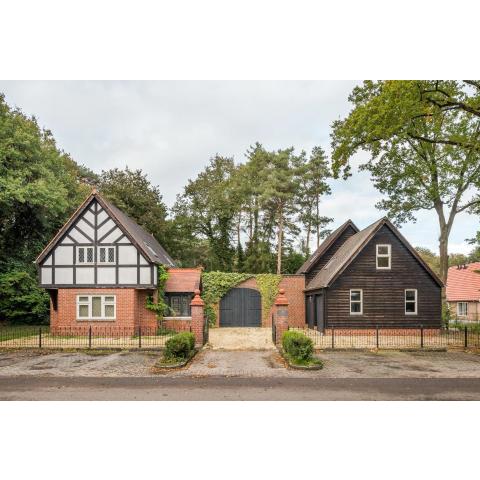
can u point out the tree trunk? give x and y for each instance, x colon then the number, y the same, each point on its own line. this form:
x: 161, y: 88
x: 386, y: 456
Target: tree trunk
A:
x: 317, y: 220
x: 307, y: 246
x: 280, y: 240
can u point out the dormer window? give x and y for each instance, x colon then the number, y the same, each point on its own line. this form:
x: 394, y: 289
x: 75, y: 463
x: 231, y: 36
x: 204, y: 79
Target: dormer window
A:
x: 384, y: 257
x: 85, y: 255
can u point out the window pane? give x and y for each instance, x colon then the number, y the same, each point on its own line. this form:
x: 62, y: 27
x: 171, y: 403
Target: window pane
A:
x: 102, y: 255
x: 110, y: 299
x: 410, y: 295
x: 83, y: 299
x: 383, y: 262
x: 109, y: 310
x: 410, y: 307
x: 81, y: 255
x: 83, y: 311
x: 355, y: 296
x: 96, y: 306
x: 184, y: 306
x: 355, y: 307
x: 89, y: 255
x: 383, y: 250
x: 111, y: 255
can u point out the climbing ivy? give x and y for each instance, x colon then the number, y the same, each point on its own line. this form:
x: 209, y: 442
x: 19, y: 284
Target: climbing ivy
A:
x: 160, y: 307
x: 268, y: 286
x: 217, y: 284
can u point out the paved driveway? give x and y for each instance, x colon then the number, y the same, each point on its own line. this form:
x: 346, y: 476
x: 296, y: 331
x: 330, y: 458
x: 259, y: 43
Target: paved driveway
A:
x: 244, y: 338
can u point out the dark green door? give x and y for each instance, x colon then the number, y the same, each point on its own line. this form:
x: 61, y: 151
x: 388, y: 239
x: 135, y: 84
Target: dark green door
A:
x: 241, y: 307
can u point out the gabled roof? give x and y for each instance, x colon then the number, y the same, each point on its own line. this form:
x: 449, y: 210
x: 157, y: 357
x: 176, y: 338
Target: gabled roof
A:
x: 183, y: 280
x: 352, y: 247
x: 325, y: 245
x: 144, y: 241
x: 463, y: 283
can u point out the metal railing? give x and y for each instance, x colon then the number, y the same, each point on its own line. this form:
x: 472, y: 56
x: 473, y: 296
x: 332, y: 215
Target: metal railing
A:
x: 389, y: 338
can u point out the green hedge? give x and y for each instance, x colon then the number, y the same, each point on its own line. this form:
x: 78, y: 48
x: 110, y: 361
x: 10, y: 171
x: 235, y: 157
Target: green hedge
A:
x: 180, y: 346
x: 297, y: 346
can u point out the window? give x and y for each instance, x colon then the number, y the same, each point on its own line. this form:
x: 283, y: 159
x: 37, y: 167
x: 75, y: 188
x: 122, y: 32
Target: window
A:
x: 106, y: 254
x: 384, y: 257
x: 356, y: 302
x: 462, y: 309
x: 179, y: 304
x: 410, y: 302
x: 85, y: 255
x: 96, y: 307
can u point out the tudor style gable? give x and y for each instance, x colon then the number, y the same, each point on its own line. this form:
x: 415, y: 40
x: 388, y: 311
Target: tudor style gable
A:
x: 101, y: 247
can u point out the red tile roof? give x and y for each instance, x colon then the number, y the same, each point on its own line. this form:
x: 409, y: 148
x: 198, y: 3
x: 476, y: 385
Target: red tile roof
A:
x: 183, y: 279
x: 464, y: 283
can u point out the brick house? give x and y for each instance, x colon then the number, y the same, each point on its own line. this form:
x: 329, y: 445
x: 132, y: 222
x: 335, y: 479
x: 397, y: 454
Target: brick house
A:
x: 100, y: 268
x: 463, y: 292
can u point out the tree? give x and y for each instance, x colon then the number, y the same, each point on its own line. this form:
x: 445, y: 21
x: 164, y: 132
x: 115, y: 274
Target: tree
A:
x: 422, y: 156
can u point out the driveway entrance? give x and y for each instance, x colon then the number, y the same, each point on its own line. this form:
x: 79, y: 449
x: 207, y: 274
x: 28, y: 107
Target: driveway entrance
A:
x: 241, y: 307
x: 242, y: 338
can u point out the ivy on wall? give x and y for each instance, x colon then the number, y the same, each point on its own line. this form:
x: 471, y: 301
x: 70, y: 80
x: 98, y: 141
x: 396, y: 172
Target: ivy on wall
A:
x: 160, y: 307
x: 217, y: 284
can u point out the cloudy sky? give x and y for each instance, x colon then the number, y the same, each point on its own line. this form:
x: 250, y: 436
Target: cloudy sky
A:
x: 171, y: 129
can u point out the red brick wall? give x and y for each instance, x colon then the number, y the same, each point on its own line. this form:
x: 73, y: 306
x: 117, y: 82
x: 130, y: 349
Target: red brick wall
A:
x: 177, y: 325
x: 294, y: 286
x: 130, y: 310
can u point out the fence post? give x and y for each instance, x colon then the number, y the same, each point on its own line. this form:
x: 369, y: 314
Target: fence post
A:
x: 466, y: 337
x: 377, y: 336
x: 139, y: 336
x: 333, y: 337
x: 40, y: 337
x: 90, y: 336
x: 421, y: 336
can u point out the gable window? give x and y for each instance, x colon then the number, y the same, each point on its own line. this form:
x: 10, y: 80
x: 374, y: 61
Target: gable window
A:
x: 462, y: 309
x: 85, y: 255
x: 384, y: 257
x: 106, y: 254
x: 356, y: 302
x: 179, y: 304
x: 96, y: 307
x: 410, y: 302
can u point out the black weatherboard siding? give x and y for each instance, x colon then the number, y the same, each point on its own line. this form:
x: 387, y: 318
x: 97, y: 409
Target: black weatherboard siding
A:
x: 384, y: 290
x: 241, y: 307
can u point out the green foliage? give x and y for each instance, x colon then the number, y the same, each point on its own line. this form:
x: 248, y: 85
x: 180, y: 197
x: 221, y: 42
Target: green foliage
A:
x: 268, y: 286
x: 160, y: 307
x: 180, y: 346
x: 215, y: 286
x: 21, y: 300
x: 297, y: 346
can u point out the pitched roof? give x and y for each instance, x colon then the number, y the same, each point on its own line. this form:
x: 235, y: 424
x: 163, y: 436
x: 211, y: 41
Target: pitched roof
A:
x: 325, y: 245
x: 183, y: 279
x: 352, y: 247
x: 144, y: 241
x: 464, y: 283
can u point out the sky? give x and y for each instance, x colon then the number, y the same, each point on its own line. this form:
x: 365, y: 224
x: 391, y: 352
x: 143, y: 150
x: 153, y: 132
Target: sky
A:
x: 170, y: 130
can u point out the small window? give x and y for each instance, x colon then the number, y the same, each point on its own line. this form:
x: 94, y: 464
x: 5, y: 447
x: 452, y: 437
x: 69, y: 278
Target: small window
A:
x: 410, y: 302
x: 384, y: 257
x: 356, y: 302
x: 106, y: 254
x: 462, y: 309
x: 85, y: 255
x: 96, y: 307
x: 179, y: 304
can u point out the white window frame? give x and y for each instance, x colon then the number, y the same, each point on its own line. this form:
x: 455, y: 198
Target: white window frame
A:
x: 466, y: 309
x: 384, y: 255
x: 106, y: 255
x: 103, y: 302
x: 411, y: 301
x: 356, y: 301
x: 85, y: 255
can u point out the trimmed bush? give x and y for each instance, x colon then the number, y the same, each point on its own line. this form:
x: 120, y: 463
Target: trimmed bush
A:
x: 297, y: 346
x: 180, y: 346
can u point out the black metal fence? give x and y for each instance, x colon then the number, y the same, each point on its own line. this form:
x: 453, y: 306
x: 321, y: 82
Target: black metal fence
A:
x: 206, y: 330
x: 84, y: 337
x: 274, y: 331
x: 388, y: 338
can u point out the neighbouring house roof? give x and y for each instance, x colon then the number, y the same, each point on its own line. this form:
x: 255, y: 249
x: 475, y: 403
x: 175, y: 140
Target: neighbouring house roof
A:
x: 463, y: 284
x: 325, y: 245
x: 352, y: 247
x: 145, y: 242
x: 183, y: 280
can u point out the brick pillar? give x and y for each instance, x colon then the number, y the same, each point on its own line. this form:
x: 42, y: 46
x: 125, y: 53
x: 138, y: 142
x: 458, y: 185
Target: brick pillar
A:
x: 197, y: 318
x: 281, y: 315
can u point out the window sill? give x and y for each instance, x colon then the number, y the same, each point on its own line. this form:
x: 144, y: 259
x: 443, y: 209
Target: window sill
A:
x: 177, y: 318
x: 96, y: 319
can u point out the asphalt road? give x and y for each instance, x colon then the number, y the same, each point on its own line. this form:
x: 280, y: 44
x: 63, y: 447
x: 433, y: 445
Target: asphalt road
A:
x: 224, y: 388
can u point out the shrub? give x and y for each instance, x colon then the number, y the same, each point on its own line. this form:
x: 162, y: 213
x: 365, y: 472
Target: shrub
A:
x: 297, y: 346
x: 180, y: 346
